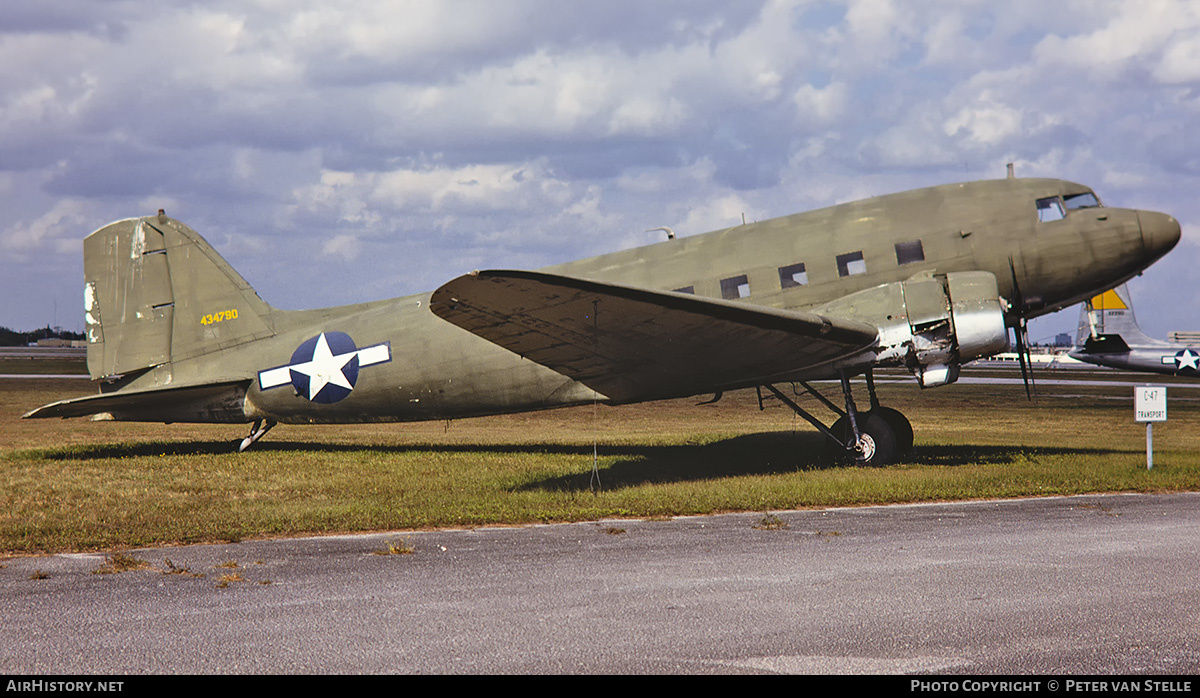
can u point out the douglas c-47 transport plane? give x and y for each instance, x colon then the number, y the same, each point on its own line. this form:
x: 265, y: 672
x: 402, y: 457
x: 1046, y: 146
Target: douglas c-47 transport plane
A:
x: 926, y: 279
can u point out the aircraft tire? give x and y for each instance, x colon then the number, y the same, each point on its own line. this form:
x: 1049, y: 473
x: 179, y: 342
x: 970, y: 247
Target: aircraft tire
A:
x: 901, y: 428
x: 878, y: 443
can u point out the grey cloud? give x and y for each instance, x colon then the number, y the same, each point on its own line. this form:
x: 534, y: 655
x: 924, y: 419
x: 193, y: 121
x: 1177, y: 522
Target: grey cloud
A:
x: 108, y: 19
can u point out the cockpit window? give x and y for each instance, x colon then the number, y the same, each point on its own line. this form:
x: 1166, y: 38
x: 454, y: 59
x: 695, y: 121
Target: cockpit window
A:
x: 1085, y: 200
x: 1050, y: 209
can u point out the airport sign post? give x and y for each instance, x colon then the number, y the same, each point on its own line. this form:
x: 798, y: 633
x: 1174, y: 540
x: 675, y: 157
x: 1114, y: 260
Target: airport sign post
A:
x: 1150, y: 406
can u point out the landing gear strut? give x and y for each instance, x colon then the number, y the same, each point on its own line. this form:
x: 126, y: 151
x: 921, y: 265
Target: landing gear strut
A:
x: 256, y: 432
x: 901, y: 428
x: 876, y: 437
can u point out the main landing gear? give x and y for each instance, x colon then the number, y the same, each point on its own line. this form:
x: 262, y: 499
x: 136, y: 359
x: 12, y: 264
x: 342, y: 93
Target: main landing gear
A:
x: 876, y: 437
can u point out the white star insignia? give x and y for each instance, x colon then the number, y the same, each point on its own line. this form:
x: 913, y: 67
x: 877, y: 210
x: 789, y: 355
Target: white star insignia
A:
x: 325, y: 368
x: 1187, y: 359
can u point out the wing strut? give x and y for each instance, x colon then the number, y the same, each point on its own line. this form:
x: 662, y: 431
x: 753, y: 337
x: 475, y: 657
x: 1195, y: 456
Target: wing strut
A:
x: 800, y: 411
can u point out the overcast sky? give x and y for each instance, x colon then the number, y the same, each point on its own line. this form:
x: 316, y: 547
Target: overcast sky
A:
x: 337, y: 152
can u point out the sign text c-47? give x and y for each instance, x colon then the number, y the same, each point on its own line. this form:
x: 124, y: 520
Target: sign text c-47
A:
x: 1150, y: 403
x: 219, y: 316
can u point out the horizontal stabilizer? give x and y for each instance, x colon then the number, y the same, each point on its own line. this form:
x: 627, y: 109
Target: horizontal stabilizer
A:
x: 215, y: 402
x: 1104, y: 344
x: 630, y: 343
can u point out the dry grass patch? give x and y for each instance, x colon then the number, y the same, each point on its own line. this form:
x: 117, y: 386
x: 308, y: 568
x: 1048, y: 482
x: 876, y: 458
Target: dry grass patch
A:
x: 116, y: 563
x: 399, y: 546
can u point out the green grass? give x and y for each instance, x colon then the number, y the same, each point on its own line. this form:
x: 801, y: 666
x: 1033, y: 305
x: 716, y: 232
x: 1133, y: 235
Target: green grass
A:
x: 106, y: 486
x: 43, y: 365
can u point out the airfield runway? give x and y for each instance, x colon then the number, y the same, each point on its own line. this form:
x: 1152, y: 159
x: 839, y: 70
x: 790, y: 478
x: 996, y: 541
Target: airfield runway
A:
x: 1075, y: 585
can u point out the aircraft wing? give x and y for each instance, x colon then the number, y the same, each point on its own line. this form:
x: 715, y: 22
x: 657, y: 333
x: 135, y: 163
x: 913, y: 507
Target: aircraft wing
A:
x: 631, y: 343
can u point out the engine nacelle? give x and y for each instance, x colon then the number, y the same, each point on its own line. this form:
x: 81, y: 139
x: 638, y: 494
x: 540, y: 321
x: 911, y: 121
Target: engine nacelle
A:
x: 977, y: 312
x: 932, y: 324
x: 975, y: 327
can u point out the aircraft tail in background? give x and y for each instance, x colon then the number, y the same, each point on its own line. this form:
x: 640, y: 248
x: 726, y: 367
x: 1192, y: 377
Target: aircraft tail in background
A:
x: 1109, y: 335
x: 1107, y: 321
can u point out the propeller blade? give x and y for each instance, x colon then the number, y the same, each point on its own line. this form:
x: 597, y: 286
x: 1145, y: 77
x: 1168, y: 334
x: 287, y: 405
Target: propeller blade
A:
x: 1025, y: 357
x: 1021, y: 330
x: 1018, y: 301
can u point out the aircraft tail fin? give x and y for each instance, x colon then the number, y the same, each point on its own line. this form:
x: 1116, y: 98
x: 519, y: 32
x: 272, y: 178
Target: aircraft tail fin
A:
x: 157, y: 292
x: 1107, y: 323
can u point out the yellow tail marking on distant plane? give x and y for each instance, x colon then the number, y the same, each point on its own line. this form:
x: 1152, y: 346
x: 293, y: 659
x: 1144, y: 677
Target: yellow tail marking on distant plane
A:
x: 1109, y: 300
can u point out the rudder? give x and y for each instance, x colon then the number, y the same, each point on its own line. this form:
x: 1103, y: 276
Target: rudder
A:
x: 156, y: 292
x: 1108, y: 317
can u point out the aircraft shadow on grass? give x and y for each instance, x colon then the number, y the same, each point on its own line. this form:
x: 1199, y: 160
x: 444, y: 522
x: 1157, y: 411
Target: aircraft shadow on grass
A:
x: 765, y: 453
x: 772, y: 453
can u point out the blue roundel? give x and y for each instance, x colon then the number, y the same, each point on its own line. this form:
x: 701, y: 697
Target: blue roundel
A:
x: 324, y: 368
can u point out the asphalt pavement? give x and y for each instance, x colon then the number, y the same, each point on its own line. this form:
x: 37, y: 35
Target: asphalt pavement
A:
x: 1068, y: 586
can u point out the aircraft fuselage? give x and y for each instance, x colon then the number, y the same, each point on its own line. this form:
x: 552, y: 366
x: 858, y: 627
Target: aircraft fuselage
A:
x: 1047, y: 243
x: 803, y: 261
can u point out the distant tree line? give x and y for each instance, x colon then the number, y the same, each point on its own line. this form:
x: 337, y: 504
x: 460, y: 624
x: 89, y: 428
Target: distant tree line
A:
x: 12, y: 338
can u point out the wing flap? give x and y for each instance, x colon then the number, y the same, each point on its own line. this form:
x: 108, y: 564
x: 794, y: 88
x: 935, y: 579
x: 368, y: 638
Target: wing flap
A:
x: 631, y: 343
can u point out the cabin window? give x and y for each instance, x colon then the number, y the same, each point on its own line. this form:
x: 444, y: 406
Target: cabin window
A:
x: 686, y: 289
x: 1050, y: 209
x: 793, y: 275
x: 1085, y: 200
x: 909, y: 252
x: 851, y: 263
x: 735, y: 287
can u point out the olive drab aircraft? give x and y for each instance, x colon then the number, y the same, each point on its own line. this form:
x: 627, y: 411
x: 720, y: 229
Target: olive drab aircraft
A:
x: 926, y: 280
x: 1109, y: 336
